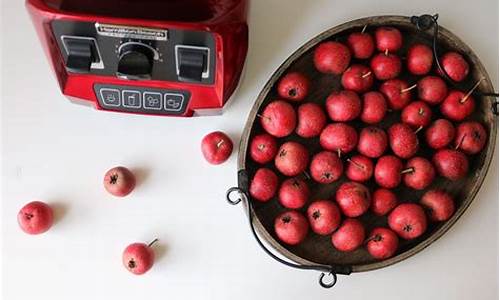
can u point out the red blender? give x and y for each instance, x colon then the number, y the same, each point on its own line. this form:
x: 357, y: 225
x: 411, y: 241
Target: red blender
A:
x: 155, y: 57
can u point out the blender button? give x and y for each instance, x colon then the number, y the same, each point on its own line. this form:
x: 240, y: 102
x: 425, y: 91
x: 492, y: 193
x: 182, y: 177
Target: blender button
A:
x: 173, y: 102
x: 110, y: 97
x: 131, y: 99
x: 152, y: 100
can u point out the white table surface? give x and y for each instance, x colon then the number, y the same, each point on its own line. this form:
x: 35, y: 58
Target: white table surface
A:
x: 58, y: 152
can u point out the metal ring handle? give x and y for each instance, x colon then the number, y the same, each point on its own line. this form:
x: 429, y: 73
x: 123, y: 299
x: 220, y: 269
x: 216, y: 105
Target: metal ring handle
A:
x: 327, y: 284
x: 330, y: 270
x: 232, y: 191
x: 425, y: 22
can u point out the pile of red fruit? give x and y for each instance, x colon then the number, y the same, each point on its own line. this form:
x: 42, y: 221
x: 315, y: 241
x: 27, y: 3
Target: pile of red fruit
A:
x: 431, y: 115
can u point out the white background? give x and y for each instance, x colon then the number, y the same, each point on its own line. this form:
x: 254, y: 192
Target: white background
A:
x: 58, y: 152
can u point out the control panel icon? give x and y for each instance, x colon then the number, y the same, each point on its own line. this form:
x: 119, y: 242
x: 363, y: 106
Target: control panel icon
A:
x: 152, y: 100
x: 173, y: 102
x: 131, y: 99
x: 110, y: 97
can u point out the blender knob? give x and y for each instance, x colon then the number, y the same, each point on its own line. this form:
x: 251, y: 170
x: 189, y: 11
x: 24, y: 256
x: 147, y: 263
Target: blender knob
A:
x: 135, y: 61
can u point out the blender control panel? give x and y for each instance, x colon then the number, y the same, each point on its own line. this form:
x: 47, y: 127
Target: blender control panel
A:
x: 136, y: 53
x: 141, y: 99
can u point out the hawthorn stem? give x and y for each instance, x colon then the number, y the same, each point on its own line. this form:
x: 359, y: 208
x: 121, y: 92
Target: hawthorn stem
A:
x: 263, y: 117
x: 306, y: 175
x: 461, y: 141
x: 386, y: 52
x: 418, y: 129
x: 409, y: 88
x: 339, y: 152
x: 152, y: 242
x: 409, y: 170
x: 364, y: 28
x: 366, y: 74
x: 355, y: 163
x: 372, y: 238
x: 466, y: 97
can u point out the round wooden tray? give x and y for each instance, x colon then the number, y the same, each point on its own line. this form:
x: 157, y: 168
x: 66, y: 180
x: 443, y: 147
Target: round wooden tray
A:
x: 318, y: 250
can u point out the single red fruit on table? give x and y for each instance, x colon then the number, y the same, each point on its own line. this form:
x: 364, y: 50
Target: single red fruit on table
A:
x: 455, y: 66
x: 343, y: 106
x: 438, y: 204
x: 408, y: 220
x: 263, y: 148
x: 292, y: 159
x: 349, y: 236
x: 418, y: 173
x: 324, y: 216
x: 358, y: 78
x: 385, y: 66
x: 338, y: 137
x: 119, y: 181
x: 388, y: 171
x: 291, y: 227
x: 382, y: 243
x: 293, y: 193
x: 383, y: 201
x: 432, y: 89
x: 451, y: 164
x: 374, y: 107
x: 359, y: 168
x: 293, y: 86
x: 311, y: 120
x: 471, y: 137
x: 278, y: 118
x: 216, y: 147
x: 419, y: 59
x: 417, y: 114
x: 353, y: 199
x: 35, y: 217
x: 263, y: 185
x: 332, y: 58
x: 361, y: 45
x: 372, y: 142
x: 440, y: 134
x: 388, y: 39
x: 457, y: 106
x: 397, y: 93
x: 326, y: 167
x: 138, y: 258
x: 403, y: 140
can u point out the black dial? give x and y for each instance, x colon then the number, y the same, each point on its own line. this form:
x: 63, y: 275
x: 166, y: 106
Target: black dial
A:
x: 135, y: 61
